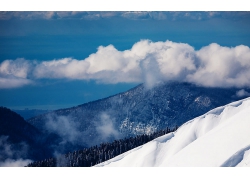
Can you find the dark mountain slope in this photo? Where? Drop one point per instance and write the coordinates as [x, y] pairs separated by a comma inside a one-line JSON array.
[[96, 154], [137, 111], [29, 113], [19, 139], [21, 134]]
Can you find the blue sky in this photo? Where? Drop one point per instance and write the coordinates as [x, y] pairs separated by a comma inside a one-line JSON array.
[[86, 57]]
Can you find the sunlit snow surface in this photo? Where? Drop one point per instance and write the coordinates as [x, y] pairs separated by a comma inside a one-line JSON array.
[[220, 137]]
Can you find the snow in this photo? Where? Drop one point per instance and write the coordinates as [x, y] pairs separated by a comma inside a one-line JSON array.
[[217, 138], [246, 159]]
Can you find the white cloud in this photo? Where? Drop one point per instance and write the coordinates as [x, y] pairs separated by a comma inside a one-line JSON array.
[[12, 155], [15, 163], [222, 66], [14, 73], [18, 68], [106, 128], [13, 82], [64, 126], [146, 61], [134, 15]]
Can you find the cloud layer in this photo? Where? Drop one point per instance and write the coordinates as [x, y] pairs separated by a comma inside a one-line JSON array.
[[148, 62], [134, 15]]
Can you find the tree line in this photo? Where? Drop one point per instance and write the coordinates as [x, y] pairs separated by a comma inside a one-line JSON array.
[[96, 154]]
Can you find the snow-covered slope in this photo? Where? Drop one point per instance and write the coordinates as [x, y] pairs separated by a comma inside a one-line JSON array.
[[220, 137]]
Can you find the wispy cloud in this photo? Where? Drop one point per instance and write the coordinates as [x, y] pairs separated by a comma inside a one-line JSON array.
[[146, 61], [15, 163], [13, 82], [68, 130], [134, 15], [64, 126], [242, 93], [106, 127], [12, 155]]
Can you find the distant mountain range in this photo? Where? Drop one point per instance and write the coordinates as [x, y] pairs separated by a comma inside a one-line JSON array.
[[29, 113], [137, 111]]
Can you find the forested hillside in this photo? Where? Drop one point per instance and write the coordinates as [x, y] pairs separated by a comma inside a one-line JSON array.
[[135, 112], [97, 154], [218, 138], [21, 140], [18, 135]]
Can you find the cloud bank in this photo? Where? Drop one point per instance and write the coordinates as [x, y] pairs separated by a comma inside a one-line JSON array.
[[146, 62], [133, 15]]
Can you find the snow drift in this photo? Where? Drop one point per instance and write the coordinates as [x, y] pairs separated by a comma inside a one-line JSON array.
[[217, 138]]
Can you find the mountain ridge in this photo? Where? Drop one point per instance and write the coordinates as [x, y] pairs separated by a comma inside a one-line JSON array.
[[18, 134], [136, 111]]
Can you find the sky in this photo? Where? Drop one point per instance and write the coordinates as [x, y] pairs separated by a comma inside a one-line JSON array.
[[52, 60]]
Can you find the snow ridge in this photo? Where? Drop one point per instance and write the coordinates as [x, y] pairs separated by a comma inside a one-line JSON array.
[[218, 138]]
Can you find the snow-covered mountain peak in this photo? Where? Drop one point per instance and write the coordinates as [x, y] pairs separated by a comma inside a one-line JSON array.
[[218, 138]]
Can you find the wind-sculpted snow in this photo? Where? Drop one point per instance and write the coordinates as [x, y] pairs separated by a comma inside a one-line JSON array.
[[245, 159], [237, 158], [217, 138], [135, 112]]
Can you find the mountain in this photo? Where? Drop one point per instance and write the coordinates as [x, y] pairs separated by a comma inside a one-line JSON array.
[[29, 113], [21, 143], [137, 111], [19, 139], [217, 138]]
